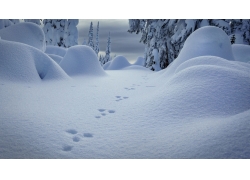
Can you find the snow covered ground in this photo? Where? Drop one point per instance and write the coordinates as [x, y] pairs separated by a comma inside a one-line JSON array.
[[198, 107]]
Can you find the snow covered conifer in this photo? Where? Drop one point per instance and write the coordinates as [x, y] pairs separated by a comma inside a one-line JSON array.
[[108, 51], [97, 40], [90, 40]]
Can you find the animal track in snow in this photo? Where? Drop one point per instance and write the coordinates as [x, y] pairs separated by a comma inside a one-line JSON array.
[[71, 131], [67, 148], [76, 139], [119, 98], [129, 88], [101, 110], [111, 111], [87, 135]]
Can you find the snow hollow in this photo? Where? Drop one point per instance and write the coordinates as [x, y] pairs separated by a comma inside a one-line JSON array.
[[57, 103]]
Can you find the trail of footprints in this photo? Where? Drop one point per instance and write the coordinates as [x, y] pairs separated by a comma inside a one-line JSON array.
[[76, 137], [104, 112]]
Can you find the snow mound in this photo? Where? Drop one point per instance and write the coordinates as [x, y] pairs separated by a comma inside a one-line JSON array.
[[205, 41], [241, 52], [56, 58], [208, 86], [106, 65], [59, 51], [81, 60], [21, 62], [27, 33], [118, 62], [140, 61]]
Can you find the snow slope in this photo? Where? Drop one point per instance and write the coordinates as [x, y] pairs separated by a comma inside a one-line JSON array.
[[196, 108], [27, 33]]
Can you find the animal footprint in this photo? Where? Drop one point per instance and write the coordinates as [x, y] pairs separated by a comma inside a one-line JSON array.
[[87, 135], [125, 97], [71, 131], [103, 114], [101, 110], [76, 139], [67, 148], [97, 116], [111, 111]]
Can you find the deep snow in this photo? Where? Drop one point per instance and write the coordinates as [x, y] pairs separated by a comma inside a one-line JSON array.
[[199, 107]]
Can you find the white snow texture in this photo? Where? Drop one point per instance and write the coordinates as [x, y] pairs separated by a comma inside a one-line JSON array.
[[198, 107]]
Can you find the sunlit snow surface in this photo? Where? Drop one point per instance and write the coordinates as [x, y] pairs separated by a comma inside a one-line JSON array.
[[199, 107]]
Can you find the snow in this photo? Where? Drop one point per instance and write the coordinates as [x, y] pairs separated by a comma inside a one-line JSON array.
[[56, 58], [81, 60], [118, 62], [23, 63], [106, 65], [198, 107], [59, 51], [241, 52], [140, 61], [27, 33]]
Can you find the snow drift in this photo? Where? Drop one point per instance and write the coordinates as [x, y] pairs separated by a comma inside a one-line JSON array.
[[241, 52], [140, 61], [117, 63], [23, 63], [27, 33], [81, 60]]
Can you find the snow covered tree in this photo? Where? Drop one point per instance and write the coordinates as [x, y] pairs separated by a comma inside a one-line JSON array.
[[106, 58], [72, 32], [90, 40], [164, 38], [61, 32], [84, 42], [108, 50], [97, 40]]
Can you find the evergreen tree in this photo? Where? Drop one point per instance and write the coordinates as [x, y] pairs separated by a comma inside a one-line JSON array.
[[97, 40], [164, 38], [61, 32], [90, 40], [108, 50]]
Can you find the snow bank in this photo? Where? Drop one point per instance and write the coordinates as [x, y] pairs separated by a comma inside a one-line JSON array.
[[56, 58], [241, 52], [140, 61], [21, 62], [59, 51], [117, 63], [81, 60], [27, 33]]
